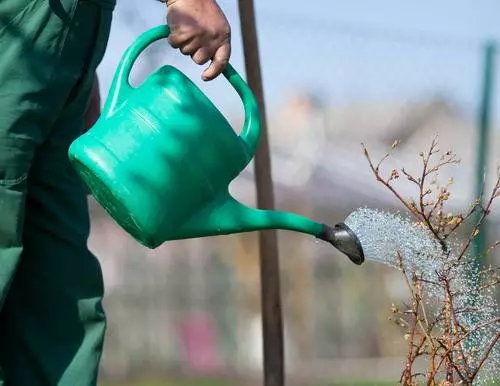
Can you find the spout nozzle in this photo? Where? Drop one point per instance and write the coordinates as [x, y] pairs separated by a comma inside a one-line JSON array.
[[345, 240]]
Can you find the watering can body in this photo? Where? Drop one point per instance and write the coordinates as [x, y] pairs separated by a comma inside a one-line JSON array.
[[161, 157]]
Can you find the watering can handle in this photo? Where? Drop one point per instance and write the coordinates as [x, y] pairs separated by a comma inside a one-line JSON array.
[[250, 133]]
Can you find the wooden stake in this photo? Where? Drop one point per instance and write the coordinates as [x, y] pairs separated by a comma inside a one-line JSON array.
[[272, 319]]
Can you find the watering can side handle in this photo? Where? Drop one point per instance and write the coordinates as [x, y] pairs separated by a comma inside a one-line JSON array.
[[250, 133], [121, 81]]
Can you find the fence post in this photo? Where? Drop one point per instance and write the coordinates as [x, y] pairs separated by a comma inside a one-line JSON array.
[[484, 126], [272, 319]]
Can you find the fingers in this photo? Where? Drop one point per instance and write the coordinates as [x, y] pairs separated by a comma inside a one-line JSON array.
[[193, 47], [178, 39], [199, 29], [190, 47], [219, 62], [201, 56]]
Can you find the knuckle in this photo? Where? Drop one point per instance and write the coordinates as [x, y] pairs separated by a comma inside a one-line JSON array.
[[174, 41], [200, 59], [186, 50], [223, 35], [218, 34], [222, 62], [174, 44]]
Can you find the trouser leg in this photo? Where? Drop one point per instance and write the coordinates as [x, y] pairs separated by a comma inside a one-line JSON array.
[[51, 319]]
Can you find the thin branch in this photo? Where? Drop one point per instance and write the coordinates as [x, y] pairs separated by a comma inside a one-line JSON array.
[[465, 336], [484, 213], [465, 218], [491, 248], [486, 354], [388, 186], [410, 287], [438, 335]]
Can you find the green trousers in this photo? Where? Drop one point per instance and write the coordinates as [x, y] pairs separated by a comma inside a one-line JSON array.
[[51, 319]]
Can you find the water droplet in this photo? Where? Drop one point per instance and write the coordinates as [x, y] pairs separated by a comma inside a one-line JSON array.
[[383, 235]]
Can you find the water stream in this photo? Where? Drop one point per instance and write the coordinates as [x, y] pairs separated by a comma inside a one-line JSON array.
[[383, 234]]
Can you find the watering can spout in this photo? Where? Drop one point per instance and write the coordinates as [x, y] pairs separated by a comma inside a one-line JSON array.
[[345, 240], [228, 216]]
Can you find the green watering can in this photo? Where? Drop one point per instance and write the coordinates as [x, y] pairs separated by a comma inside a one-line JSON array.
[[161, 157]]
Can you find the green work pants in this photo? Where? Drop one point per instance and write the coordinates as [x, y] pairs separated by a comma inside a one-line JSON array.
[[51, 318]]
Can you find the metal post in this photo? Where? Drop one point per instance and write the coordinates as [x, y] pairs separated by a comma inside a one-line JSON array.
[[272, 319], [484, 124]]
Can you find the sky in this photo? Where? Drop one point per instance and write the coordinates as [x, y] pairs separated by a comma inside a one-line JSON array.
[[343, 51]]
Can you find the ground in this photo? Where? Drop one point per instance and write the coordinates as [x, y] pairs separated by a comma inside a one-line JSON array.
[[222, 383]]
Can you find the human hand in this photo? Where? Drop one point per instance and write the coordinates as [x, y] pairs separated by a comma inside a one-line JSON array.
[[200, 29]]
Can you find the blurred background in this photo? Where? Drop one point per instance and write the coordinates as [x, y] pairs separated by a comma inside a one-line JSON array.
[[336, 73]]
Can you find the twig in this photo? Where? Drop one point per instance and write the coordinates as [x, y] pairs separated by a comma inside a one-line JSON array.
[[439, 335], [387, 185], [465, 336], [410, 287], [484, 213], [486, 355]]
